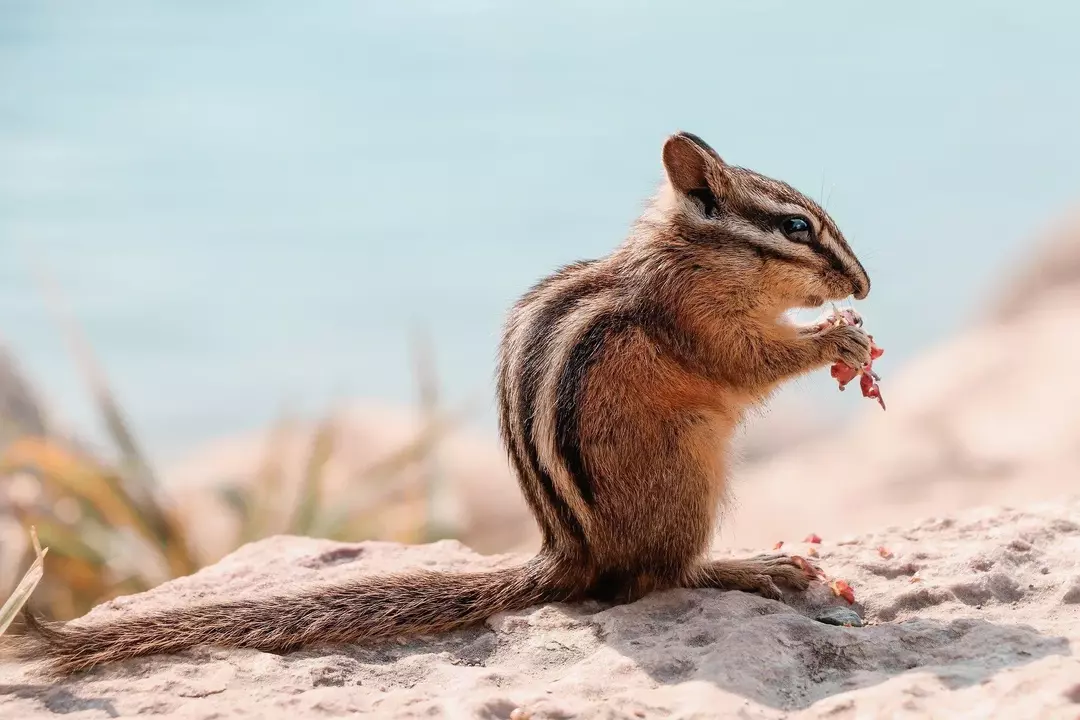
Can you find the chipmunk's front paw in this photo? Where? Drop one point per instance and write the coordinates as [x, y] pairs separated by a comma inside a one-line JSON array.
[[848, 344]]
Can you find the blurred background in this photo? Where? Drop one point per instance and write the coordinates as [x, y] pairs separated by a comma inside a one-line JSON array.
[[254, 256]]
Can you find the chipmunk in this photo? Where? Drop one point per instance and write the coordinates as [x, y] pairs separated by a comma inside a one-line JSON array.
[[620, 384]]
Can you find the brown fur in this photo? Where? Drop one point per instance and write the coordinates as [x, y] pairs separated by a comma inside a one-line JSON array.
[[620, 384]]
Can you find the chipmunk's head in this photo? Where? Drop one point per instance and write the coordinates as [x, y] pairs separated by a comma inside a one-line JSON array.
[[763, 228]]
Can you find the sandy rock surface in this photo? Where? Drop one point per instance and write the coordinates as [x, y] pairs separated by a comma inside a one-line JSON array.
[[991, 628]]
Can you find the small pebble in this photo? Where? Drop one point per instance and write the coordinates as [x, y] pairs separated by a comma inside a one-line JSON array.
[[519, 714], [1072, 595], [840, 616]]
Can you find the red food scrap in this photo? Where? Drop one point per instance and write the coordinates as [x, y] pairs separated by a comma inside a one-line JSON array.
[[844, 373], [842, 589], [813, 538]]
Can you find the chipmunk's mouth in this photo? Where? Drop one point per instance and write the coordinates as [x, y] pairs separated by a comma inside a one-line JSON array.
[[820, 314]]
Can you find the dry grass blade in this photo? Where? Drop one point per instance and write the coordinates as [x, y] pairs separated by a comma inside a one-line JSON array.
[[238, 499], [26, 586], [258, 503], [136, 473], [436, 512], [424, 367], [418, 448], [346, 517], [428, 386], [95, 378], [306, 517], [21, 410]]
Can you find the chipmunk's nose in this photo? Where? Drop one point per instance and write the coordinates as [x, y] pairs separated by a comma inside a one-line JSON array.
[[860, 284]]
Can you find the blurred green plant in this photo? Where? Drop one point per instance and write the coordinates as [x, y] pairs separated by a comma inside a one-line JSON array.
[[111, 531]]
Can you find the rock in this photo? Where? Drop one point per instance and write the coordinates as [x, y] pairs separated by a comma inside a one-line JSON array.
[[840, 616], [925, 650], [1072, 594], [1051, 269]]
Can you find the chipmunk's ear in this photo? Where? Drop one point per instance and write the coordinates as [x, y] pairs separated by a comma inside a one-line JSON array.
[[691, 165]]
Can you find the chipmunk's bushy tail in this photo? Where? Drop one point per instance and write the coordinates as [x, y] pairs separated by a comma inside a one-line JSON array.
[[371, 608]]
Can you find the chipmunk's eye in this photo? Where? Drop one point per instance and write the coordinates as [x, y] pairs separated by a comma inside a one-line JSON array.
[[797, 229]]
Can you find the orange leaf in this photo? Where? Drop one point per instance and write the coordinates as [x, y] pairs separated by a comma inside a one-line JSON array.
[[884, 552], [778, 545]]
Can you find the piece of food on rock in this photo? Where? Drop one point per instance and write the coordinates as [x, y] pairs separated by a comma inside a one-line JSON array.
[[842, 589]]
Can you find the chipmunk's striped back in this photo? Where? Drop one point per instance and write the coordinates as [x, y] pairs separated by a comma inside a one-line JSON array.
[[540, 337]]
